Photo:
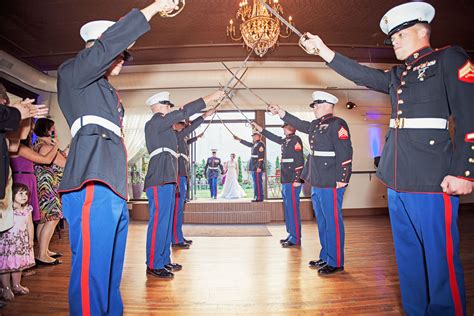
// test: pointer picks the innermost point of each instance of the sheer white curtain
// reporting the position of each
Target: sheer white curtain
(134, 129)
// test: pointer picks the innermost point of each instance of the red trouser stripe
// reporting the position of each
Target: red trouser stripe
(153, 232)
(86, 249)
(293, 199)
(448, 219)
(176, 210)
(258, 184)
(336, 223)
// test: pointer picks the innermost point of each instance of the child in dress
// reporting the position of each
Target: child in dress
(16, 245)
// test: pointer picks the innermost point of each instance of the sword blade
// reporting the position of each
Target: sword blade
(242, 65)
(282, 19)
(225, 125)
(231, 94)
(245, 86)
(242, 113)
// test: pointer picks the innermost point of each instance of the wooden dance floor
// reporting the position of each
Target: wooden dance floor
(252, 275)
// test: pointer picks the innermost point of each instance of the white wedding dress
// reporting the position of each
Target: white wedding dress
(232, 189)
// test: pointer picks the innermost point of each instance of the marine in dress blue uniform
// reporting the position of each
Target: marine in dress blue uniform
(213, 169)
(162, 177)
(257, 164)
(422, 169)
(182, 133)
(94, 185)
(292, 163)
(328, 170)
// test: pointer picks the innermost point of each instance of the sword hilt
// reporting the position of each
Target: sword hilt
(303, 38)
(178, 6)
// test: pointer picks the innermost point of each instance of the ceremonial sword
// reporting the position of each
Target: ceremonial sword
(230, 96)
(303, 37)
(225, 125)
(238, 109)
(226, 87)
(245, 86)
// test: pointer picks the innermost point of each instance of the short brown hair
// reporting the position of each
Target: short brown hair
(427, 27)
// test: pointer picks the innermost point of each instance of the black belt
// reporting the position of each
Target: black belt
(22, 172)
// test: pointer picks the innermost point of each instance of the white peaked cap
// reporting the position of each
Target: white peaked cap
(406, 15)
(157, 98)
(324, 96)
(93, 30)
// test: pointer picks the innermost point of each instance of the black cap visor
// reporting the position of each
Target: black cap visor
(404, 25)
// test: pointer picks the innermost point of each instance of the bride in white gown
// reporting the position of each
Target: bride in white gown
(232, 189)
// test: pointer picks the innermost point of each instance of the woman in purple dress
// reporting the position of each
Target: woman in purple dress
(23, 169)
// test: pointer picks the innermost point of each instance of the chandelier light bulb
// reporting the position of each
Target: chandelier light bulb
(259, 30)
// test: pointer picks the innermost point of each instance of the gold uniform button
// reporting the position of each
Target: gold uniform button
(472, 147)
(404, 73)
(408, 67)
(403, 83)
(471, 160)
(400, 102)
(416, 55)
(104, 135)
(432, 142)
(399, 91)
(400, 112)
(422, 79)
(467, 173)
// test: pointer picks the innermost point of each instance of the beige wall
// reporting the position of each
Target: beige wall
(287, 84)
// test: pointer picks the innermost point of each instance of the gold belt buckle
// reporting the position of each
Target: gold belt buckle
(399, 122)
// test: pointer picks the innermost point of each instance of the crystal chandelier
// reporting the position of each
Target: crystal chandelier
(259, 29)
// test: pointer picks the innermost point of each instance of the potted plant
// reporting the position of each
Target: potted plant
(137, 178)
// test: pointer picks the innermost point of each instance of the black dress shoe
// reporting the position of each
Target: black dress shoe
(57, 255)
(289, 244)
(44, 263)
(173, 267)
(181, 245)
(188, 241)
(257, 200)
(327, 270)
(282, 241)
(160, 273)
(317, 263)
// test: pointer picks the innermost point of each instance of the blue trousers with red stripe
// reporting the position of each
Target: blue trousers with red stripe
(426, 238)
(212, 186)
(257, 185)
(291, 203)
(98, 225)
(179, 210)
(327, 206)
(161, 200)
